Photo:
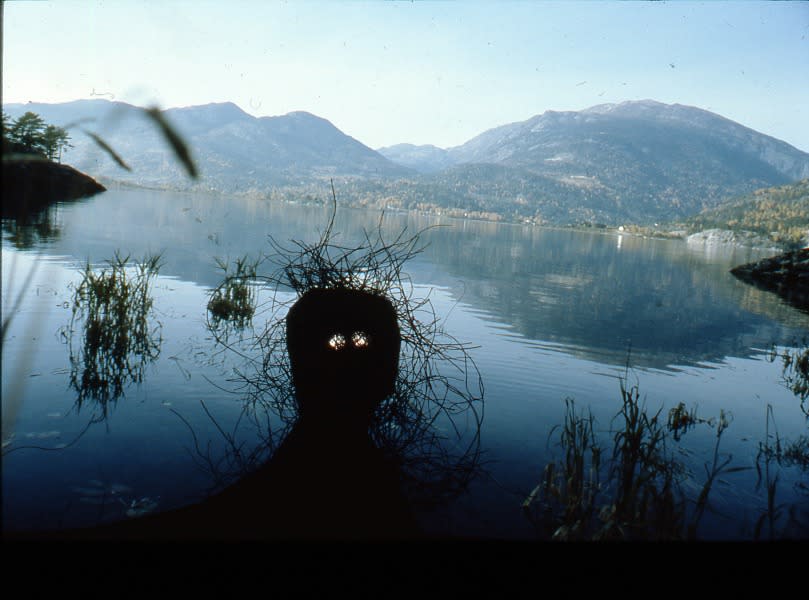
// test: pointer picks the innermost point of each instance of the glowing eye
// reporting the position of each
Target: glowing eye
(360, 339)
(337, 341)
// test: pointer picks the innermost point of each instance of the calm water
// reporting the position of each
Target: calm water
(550, 314)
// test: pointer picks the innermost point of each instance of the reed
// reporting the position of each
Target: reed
(795, 371)
(234, 300)
(780, 520)
(570, 490)
(635, 492)
(118, 335)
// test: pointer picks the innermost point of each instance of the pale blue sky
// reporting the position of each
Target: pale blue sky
(424, 72)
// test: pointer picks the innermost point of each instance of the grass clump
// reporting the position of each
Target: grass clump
(234, 300)
(795, 371)
(634, 491)
(775, 454)
(112, 308)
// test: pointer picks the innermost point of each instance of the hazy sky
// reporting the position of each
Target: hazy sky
(424, 72)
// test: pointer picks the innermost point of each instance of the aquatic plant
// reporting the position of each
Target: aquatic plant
(112, 308)
(644, 473)
(569, 489)
(712, 473)
(774, 454)
(637, 493)
(795, 371)
(681, 419)
(234, 300)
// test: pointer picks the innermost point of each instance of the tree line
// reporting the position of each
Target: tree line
(780, 213)
(30, 134)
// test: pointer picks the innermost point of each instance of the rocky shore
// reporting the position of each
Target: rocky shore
(785, 274)
(712, 237)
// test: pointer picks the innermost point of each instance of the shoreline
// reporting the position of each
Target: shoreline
(707, 237)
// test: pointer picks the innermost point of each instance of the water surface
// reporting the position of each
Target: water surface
(550, 314)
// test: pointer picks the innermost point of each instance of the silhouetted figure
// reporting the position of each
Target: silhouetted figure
(327, 480)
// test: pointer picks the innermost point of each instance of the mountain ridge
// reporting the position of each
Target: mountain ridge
(234, 150)
(641, 161)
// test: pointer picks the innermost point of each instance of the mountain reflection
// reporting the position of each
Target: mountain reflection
(598, 297)
(594, 295)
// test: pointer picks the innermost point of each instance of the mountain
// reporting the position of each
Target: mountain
(424, 159)
(233, 150)
(646, 132)
(640, 162)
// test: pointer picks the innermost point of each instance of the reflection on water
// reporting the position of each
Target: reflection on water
(672, 304)
(33, 220)
(35, 229)
(553, 313)
(669, 305)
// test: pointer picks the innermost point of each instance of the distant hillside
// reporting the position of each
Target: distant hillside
(234, 150)
(639, 161)
(635, 162)
(665, 138)
(424, 159)
(779, 213)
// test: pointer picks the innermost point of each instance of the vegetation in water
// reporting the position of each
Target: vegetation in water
(234, 300)
(795, 371)
(779, 520)
(118, 335)
(631, 491)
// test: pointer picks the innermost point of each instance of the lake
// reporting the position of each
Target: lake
(545, 314)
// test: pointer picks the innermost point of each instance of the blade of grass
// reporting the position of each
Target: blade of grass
(108, 149)
(176, 142)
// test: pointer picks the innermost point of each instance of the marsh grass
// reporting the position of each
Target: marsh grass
(234, 300)
(780, 520)
(633, 493)
(569, 491)
(118, 335)
(795, 371)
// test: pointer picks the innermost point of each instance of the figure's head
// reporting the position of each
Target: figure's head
(344, 350)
